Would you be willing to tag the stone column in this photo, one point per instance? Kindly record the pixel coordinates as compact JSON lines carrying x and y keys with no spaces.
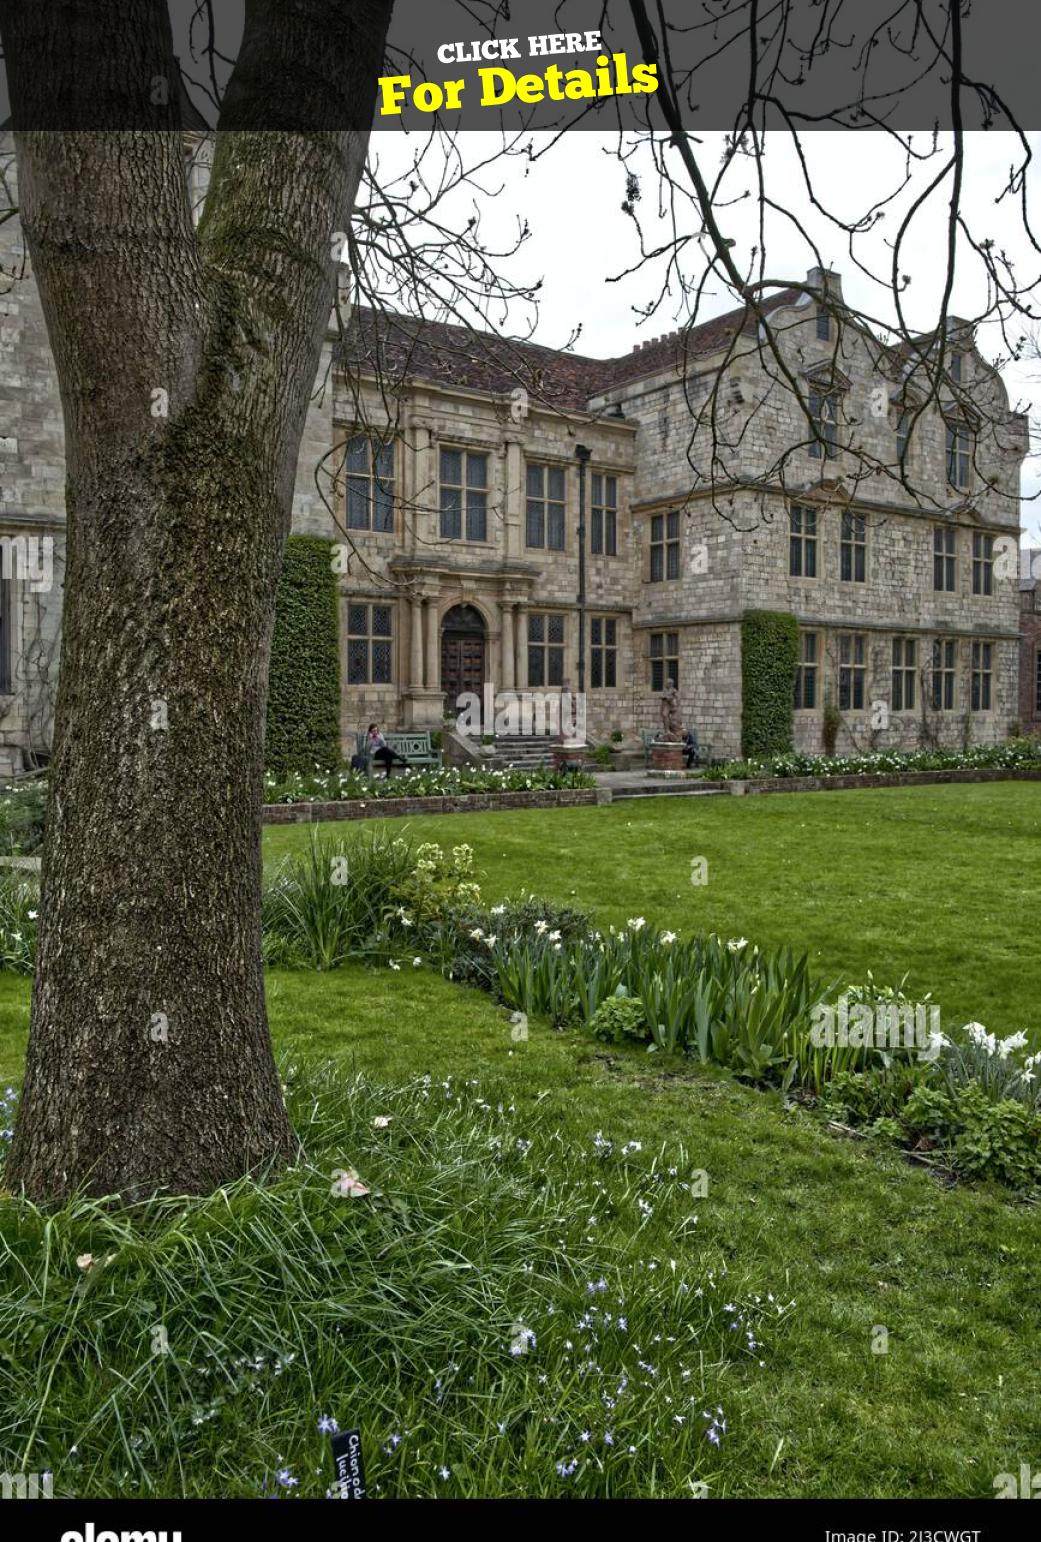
{"x":507,"y":646}
{"x":432,"y":672}
{"x":520,"y":640}
{"x":416,"y":644}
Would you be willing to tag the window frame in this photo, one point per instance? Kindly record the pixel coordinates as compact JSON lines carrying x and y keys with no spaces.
{"x":374,"y":480}
{"x":370,"y":639}
{"x":981,"y":676}
{"x":807,"y":672}
{"x":664,"y":547}
{"x":819,"y":399}
{"x":982,"y":563}
{"x":853,"y":547}
{"x":943,"y":675}
{"x":959,"y":460}
{"x":466,"y":489}
{"x":660,"y":658}
{"x":547,"y":649}
{"x":852,"y":672}
{"x":945,"y":560}
{"x":904,"y":674}
{"x":803,"y":537}
{"x":545,"y":504}
{"x":603,"y":652}
{"x":603,"y":515}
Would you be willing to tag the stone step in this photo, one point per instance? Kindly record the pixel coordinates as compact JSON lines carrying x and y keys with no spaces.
{"x":618,"y":793}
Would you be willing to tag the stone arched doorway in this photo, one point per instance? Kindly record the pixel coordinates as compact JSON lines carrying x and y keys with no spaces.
{"x":463,"y":641}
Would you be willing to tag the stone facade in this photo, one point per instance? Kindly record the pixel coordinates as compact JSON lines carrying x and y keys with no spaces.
{"x":32,"y":514}
{"x":433,"y":600}
{"x":1030,"y":641}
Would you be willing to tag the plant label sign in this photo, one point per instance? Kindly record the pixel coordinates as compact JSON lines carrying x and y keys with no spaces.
{"x":350,"y":1472}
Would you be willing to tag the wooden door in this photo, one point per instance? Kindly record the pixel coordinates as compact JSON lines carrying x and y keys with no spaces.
{"x":462,"y":667}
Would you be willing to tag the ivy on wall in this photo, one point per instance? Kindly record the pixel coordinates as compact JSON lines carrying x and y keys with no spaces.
{"x":303,"y":710}
{"x":769,"y":658}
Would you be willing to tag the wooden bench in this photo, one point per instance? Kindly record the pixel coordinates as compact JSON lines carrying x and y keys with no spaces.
{"x":414,"y":744}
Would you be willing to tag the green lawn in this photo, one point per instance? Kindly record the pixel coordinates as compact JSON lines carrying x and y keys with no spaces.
{"x":935,"y":882}
{"x":939,"y":883}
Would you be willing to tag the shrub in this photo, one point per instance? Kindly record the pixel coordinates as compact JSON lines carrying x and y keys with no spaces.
{"x":619,"y":1018}
{"x":303,"y":713}
{"x":999,"y":1140}
{"x":769,"y":658}
{"x":930,"y":1112}
{"x":602,"y":756}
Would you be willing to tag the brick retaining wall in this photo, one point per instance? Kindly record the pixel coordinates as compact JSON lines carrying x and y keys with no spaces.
{"x":585,"y":797}
{"x":459,"y":803}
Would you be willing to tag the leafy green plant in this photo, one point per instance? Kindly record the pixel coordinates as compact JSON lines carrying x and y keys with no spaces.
{"x":1000,"y":1140}
{"x":617,"y":1019}
{"x":602,"y":756}
{"x":769,"y":658}
{"x":303,"y":714}
{"x":930,"y":1112}
{"x":335,"y":901}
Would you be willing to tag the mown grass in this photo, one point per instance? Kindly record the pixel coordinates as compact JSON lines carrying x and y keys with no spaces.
{"x":433,"y":1268}
{"x":934,"y":882}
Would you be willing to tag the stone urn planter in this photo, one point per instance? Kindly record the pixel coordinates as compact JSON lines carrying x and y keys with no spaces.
{"x":568,"y":757}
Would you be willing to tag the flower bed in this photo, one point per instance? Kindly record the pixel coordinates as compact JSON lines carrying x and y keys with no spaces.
{"x":1013,"y":755}
{"x":444,"y":781}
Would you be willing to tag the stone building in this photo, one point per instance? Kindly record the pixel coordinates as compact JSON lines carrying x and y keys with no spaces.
{"x":451,"y":468}
{"x":1030,"y":640}
{"x":889,"y":530}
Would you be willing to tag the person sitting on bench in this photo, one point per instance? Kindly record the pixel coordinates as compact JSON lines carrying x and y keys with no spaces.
{"x":380,"y":750}
{"x":691,"y":749}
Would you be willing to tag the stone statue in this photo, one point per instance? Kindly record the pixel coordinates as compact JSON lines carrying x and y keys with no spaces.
{"x":671,"y":721}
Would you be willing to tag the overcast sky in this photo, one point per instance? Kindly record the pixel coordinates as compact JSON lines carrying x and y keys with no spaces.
{"x":580,"y":237}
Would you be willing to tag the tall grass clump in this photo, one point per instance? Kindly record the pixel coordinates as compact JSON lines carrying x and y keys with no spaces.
{"x":332,"y":902}
{"x":430,"y":1275}
{"x":19,"y":908}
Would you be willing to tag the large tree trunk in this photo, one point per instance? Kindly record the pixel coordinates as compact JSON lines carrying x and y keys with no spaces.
{"x":150,"y":1063}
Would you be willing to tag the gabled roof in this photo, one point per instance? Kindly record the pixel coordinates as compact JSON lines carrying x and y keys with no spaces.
{"x":396,"y":347}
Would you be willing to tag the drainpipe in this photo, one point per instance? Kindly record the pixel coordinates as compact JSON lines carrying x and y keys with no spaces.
{"x":583,"y":453}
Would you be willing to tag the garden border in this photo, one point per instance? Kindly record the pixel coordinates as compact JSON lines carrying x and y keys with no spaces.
{"x":871,"y":779}
{"x":433,"y":803}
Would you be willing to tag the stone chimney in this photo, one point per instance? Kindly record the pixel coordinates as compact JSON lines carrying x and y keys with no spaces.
{"x":825,"y":281}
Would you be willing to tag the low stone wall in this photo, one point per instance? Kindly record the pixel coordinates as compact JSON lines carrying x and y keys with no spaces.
{"x":875,"y":779}
{"x":458,"y":803}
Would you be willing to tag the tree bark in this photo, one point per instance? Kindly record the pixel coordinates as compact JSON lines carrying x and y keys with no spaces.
{"x":185,"y":360}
